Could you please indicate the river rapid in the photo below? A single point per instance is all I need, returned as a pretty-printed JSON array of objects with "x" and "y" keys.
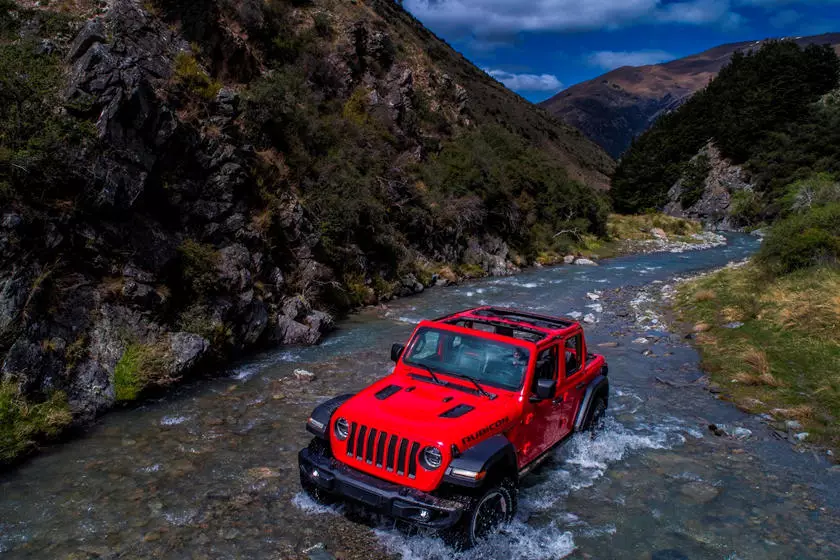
[{"x": 210, "y": 470}]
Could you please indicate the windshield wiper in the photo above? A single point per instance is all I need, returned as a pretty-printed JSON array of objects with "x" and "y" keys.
[
  {"x": 432, "y": 373},
  {"x": 478, "y": 386}
]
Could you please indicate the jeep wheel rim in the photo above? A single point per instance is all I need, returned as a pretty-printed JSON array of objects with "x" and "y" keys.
[{"x": 489, "y": 514}]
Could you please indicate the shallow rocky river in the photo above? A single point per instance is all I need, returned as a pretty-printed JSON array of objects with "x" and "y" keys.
[{"x": 210, "y": 471}]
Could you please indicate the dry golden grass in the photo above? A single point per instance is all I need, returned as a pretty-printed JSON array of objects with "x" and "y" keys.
[
  {"x": 731, "y": 314},
  {"x": 802, "y": 412},
  {"x": 704, "y": 295},
  {"x": 805, "y": 301},
  {"x": 757, "y": 360}
]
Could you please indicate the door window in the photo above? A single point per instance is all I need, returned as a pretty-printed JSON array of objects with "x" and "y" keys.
[
  {"x": 574, "y": 355},
  {"x": 546, "y": 367}
]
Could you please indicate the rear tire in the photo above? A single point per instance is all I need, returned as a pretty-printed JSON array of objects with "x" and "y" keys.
[
  {"x": 596, "y": 417},
  {"x": 486, "y": 512}
]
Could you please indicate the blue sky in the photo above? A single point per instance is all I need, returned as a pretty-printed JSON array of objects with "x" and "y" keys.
[{"x": 539, "y": 47}]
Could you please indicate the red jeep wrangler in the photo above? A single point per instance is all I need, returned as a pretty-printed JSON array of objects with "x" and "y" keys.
[{"x": 477, "y": 400}]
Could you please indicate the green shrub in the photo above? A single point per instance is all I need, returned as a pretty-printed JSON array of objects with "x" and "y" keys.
[
  {"x": 746, "y": 207},
  {"x": 803, "y": 240},
  {"x": 322, "y": 25},
  {"x": 189, "y": 77},
  {"x": 34, "y": 134},
  {"x": 198, "y": 265},
  {"x": 139, "y": 367},
  {"x": 819, "y": 189},
  {"x": 23, "y": 422}
]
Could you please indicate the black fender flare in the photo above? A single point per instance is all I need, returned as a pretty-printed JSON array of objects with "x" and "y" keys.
[
  {"x": 323, "y": 414},
  {"x": 600, "y": 386},
  {"x": 493, "y": 456}
]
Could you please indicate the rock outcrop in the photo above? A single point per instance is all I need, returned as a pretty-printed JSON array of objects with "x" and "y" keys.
[
  {"x": 181, "y": 222},
  {"x": 713, "y": 207}
]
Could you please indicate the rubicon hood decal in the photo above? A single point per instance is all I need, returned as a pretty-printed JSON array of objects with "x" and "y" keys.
[{"x": 483, "y": 431}]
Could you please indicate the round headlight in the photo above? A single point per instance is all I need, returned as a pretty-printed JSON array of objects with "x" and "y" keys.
[
  {"x": 432, "y": 458},
  {"x": 342, "y": 429}
]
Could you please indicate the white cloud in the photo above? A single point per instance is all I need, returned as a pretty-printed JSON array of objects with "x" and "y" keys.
[
  {"x": 527, "y": 82},
  {"x": 489, "y": 17},
  {"x": 609, "y": 60}
]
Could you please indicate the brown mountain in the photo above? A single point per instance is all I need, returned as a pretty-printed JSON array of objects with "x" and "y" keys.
[{"x": 616, "y": 107}]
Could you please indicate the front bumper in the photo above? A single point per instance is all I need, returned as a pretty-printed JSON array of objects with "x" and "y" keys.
[{"x": 408, "y": 504}]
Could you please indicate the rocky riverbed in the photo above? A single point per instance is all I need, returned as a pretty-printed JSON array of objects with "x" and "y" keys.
[{"x": 210, "y": 470}]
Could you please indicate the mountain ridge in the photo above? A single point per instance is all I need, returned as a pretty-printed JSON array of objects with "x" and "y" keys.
[{"x": 614, "y": 108}]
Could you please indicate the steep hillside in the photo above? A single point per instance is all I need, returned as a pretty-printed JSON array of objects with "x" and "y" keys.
[
  {"x": 767, "y": 111},
  {"x": 184, "y": 180},
  {"x": 615, "y": 108}
]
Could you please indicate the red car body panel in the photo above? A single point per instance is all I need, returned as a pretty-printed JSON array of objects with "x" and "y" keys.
[{"x": 410, "y": 419}]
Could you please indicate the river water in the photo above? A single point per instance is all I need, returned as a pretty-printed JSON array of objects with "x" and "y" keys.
[{"x": 210, "y": 471}]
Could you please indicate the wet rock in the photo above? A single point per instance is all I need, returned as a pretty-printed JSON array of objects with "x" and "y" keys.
[
  {"x": 741, "y": 433},
  {"x": 733, "y": 325},
  {"x": 304, "y": 376},
  {"x": 609, "y": 345},
  {"x": 717, "y": 430},
  {"x": 585, "y": 262},
  {"x": 700, "y": 492},
  {"x": 590, "y": 319},
  {"x": 288, "y": 331},
  {"x": 641, "y": 340},
  {"x": 318, "y": 552},
  {"x": 593, "y": 296},
  {"x": 802, "y": 436},
  {"x": 792, "y": 425}
]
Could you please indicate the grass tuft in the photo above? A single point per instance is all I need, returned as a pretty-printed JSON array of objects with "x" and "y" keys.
[
  {"x": 23, "y": 422},
  {"x": 785, "y": 359}
]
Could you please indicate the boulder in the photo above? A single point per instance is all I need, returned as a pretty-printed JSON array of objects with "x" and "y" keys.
[
  {"x": 585, "y": 262},
  {"x": 659, "y": 233},
  {"x": 185, "y": 349},
  {"x": 233, "y": 268}
]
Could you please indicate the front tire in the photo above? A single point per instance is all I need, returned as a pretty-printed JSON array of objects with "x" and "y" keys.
[{"x": 486, "y": 512}]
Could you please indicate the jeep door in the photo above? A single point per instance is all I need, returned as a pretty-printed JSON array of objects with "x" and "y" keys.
[
  {"x": 543, "y": 419},
  {"x": 573, "y": 379}
]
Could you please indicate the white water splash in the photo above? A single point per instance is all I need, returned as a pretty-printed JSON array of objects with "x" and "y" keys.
[
  {"x": 303, "y": 502},
  {"x": 173, "y": 420},
  {"x": 517, "y": 541}
]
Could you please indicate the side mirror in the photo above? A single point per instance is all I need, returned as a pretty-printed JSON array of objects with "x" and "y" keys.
[
  {"x": 546, "y": 388},
  {"x": 396, "y": 352}
]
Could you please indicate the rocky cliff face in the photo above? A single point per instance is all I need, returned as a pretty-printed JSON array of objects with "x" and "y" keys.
[
  {"x": 195, "y": 182},
  {"x": 711, "y": 203},
  {"x": 613, "y": 109}
]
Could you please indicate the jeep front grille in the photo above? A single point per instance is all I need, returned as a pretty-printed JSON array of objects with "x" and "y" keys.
[{"x": 383, "y": 450}]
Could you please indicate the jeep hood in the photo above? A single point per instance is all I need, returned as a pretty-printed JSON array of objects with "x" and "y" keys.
[{"x": 431, "y": 413}]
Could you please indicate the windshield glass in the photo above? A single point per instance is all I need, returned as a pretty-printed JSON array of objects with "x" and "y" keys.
[{"x": 495, "y": 363}]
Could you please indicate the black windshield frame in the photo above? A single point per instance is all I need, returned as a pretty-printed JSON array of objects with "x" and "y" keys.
[{"x": 446, "y": 369}]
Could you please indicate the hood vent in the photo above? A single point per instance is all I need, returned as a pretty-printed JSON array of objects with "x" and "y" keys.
[
  {"x": 388, "y": 391},
  {"x": 458, "y": 411}
]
